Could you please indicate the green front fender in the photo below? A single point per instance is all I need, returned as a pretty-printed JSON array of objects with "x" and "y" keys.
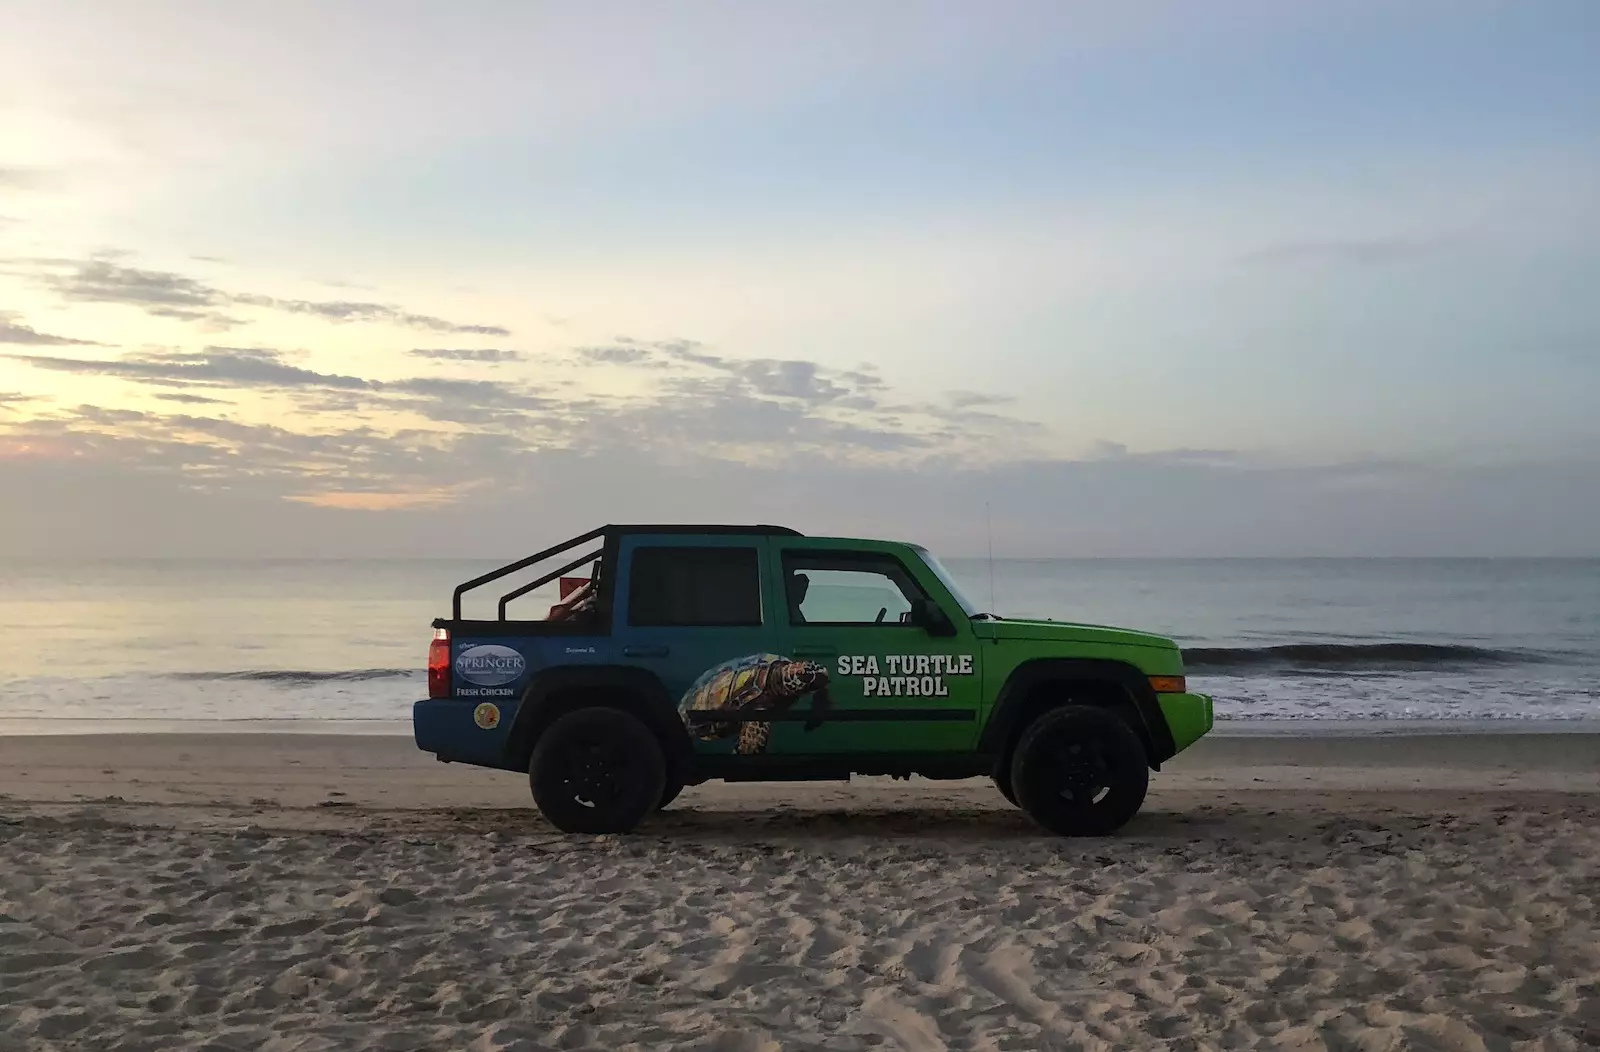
[{"x": 1188, "y": 717}]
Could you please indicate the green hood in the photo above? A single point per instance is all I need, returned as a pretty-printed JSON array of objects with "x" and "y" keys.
[{"x": 1066, "y": 631}]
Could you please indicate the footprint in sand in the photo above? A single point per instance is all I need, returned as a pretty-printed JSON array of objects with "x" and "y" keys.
[{"x": 908, "y": 1028}]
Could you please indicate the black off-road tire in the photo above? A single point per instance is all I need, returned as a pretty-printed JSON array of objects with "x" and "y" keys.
[
  {"x": 1080, "y": 771},
  {"x": 597, "y": 770},
  {"x": 674, "y": 786},
  {"x": 1002, "y": 782}
]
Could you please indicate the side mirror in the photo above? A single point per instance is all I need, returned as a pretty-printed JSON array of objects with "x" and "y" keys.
[{"x": 926, "y": 614}]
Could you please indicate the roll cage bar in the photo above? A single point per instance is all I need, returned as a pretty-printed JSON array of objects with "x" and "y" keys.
[{"x": 608, "y": 536}]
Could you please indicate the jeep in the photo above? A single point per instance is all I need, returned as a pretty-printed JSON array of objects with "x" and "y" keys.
[{"x": 749, "y": 653}]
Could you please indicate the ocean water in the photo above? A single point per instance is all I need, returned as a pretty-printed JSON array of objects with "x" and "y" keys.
[{"x": 254, "y": 643}]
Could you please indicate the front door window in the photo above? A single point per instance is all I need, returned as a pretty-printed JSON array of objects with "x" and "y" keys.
[{"x": 826, "y": 595}]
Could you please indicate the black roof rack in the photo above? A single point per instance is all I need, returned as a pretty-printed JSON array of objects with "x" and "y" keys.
[
  {"x": 781, "y": 531},
  {"x": 607, "y": 534}
]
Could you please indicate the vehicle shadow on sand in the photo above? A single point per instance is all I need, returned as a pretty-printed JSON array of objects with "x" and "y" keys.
[{"x": 980, "y": 826}]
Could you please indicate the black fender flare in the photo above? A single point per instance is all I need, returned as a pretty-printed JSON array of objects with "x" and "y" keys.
[
  {"x": 637, "y": 690},
  {"x": 1011, "y": 704}
]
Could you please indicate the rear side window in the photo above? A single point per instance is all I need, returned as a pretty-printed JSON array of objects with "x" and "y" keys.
[{"x": 695, "y": 586}]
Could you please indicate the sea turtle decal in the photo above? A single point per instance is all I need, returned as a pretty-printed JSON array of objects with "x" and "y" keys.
[{"x": 749, "y": 684}]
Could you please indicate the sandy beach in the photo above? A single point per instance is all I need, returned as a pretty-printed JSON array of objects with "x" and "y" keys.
[{"x": 300, "y": 892}]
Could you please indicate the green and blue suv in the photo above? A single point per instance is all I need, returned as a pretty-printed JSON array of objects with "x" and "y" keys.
[{"x": 754, "y": 653}]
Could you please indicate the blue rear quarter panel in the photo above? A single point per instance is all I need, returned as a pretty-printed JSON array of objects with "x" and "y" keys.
[{"x": 448, "y": 727}]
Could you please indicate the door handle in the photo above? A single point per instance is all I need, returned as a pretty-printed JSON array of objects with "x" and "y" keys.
[
  {"x": 651, "y": 651},
  {"x": 815, "y": 651}
]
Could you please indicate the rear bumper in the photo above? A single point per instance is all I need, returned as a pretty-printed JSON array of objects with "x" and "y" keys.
[
  {"x": 463, "y": 730},
  {"x": 1189, "y": 717}
]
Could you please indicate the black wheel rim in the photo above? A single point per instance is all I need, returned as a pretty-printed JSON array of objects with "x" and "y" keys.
[
  {"x": 594, "y": 772},
  {"x": 1079, "y": 770}
]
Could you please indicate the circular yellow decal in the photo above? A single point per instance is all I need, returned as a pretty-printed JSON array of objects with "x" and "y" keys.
[{"x": 486, "y": 716}]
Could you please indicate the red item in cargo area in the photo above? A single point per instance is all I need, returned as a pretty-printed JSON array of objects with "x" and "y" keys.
[{"x": 572, "y": 584}]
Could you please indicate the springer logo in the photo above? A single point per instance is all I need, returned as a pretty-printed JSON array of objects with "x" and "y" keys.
[{"x": 489, "y": 665}]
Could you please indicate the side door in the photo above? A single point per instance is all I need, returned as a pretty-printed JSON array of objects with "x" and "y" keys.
[
  {"x": 892, "y": 685},
  {"x": 686, "y": 605}
]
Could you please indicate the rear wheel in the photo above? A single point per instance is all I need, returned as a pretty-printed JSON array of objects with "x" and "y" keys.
[
  {"x": 1080, "y": 771},
  {"x": 1002, "y": 782},
  {"x": 597, "y": 770},
  {"x": 670, "y": 793}
]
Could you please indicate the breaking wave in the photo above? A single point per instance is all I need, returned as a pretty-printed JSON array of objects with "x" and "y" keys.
[
  {"x": 1350, "y": 657},
  {"x": 291, "y": 676}
]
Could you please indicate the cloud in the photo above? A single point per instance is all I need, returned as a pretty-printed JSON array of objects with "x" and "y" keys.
[
  {"x": 707, "y": 401},
  {"x": 214, "y": 366},
  {"x": 1105, "y": 449},
  {"x": 192, "y": 399},
  {"x": 805, "y": 381},
  {"x": 160, "y": 292},
  {"x": 481, "y": 403},
  {"x": 348, "y": 311},
  {"x": 477, "y": 403},
  {"x": 358, "y": 442},
  {"x": 15, "y": 332},
  {"x": 654, "y": 354},
  {"x": 1352, "y": 252},
  {"x": 171, "y": 295},
  {"x": 788, "y": 404},
  {"x": 15, "y": 177},
  {"x": 688, "y": 351},
  {"x": 14, "y": 398},
  {"x": 779, "y": 378},
  {"x": 469, "y": 462},
  {"x": 620, "y": 354},
  {"x": 975, "y": 400},
  {"x": 1118, "y": 452},
  {"x": 467, "y": 354},
  {"x": 1187, "y": 455},
  {"x": 138, "y": 484}
]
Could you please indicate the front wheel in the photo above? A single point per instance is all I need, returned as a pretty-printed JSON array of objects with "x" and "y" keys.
[
  {"x": 597, "y": 770},
  {"x": 1002, "y": 782},
  {"x": 1080, "y": 771}
]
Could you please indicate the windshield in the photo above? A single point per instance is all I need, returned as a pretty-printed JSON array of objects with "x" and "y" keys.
[{"x": 949, "y": 582}]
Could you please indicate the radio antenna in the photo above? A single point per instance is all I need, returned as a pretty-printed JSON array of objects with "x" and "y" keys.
[{"x": 988, "y": 525}]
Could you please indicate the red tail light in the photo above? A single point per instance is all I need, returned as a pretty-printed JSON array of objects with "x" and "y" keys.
[{"x": 439, "y": 664}]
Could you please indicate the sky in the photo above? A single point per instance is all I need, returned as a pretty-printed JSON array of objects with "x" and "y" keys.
[{"x": 1244, "y": 278}]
